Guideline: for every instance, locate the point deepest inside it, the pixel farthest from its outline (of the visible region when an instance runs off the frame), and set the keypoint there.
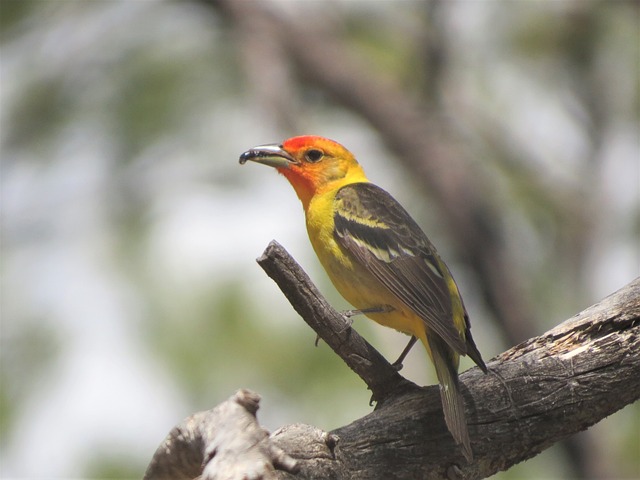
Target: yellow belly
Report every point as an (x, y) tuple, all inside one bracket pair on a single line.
[(359, 287)]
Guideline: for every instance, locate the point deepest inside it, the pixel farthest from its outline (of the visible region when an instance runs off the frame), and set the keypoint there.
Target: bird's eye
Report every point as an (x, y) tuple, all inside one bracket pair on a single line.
[(313, 155)]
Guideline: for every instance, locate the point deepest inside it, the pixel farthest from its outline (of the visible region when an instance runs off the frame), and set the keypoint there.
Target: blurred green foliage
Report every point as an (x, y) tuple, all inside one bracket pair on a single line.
[(159, 104)]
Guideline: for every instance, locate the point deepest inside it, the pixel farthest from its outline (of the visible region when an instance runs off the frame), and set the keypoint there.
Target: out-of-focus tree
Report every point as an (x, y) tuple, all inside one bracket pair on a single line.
[(128, 233)]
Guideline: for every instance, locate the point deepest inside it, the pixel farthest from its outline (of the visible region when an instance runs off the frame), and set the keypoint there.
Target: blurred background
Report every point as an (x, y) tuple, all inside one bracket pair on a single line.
[(130, 293)]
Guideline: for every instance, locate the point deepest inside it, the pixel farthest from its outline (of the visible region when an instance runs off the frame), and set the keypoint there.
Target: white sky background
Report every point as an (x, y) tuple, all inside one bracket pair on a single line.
[(106, 392)]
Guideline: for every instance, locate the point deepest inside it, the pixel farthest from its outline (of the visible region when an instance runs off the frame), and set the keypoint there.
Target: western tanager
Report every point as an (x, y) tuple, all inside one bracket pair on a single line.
[(379, 259)]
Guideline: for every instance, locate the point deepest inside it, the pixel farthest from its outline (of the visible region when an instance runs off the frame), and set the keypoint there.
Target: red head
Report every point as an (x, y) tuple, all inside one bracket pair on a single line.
[(312, 164)]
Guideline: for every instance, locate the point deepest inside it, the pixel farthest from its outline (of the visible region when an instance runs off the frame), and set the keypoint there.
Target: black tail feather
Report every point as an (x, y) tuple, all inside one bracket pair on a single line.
[(452, 401)]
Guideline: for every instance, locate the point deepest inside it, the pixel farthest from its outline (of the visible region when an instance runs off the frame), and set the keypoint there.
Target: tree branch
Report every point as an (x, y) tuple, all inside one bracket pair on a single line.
[(536, 393), (330, 325), (224, 443)]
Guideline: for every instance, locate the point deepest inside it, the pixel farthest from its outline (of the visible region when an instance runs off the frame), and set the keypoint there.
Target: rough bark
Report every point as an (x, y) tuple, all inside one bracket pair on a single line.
[(537, 393), (224, 443), (284, 54)]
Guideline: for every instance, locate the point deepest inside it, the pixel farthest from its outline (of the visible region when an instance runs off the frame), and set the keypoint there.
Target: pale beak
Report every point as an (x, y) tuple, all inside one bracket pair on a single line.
[(272, 155)]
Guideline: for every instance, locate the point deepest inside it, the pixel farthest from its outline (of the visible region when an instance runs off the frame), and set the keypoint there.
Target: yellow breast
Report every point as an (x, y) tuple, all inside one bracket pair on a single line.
[(353, 281)]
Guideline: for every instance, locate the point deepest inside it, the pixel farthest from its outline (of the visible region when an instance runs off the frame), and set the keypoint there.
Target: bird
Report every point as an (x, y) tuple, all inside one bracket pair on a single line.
[(379, 259)]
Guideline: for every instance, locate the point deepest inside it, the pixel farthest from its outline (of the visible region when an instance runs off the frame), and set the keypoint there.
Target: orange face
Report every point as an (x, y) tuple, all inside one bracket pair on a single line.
[(309, 162)]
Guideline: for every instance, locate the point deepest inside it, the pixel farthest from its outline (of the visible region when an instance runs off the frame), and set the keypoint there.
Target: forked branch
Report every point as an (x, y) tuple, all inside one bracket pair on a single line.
[(537, 393)]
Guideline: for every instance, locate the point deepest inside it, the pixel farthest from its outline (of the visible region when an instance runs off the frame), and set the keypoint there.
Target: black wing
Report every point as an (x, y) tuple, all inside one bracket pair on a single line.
[(374, 228)]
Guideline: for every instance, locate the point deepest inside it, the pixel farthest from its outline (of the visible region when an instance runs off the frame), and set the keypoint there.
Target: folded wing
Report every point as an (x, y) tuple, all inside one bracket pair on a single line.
[(376, 231)]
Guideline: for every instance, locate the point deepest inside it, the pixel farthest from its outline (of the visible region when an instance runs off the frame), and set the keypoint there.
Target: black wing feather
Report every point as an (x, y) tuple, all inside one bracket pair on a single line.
[(374, 228)]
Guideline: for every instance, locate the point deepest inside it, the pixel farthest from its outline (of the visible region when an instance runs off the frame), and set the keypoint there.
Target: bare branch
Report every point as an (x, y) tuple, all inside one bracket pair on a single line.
[(331, 326), (224, 443), (537, 393)]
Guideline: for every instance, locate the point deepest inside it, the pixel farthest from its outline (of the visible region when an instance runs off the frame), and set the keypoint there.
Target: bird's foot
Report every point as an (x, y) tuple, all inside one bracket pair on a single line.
[(365, 311), (398, 363)]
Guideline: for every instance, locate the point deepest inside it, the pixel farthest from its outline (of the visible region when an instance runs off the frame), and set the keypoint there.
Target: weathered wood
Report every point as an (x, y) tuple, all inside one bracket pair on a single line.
[(224, 443), (330, 325), (536, 393)]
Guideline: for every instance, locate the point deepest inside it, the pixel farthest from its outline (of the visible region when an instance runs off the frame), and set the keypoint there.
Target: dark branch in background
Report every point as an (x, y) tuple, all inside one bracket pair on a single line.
[(418, 129), (428, 149), (421, 139), (423, 132), (537, 393)]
